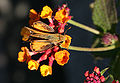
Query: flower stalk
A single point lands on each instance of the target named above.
(84, 27)
(92, 49)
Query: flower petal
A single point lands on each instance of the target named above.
(46, 12)
(67, 41)
(45, 70)
(62, 57)
(33, 65)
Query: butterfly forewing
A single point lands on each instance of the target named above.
(30, 30)
(42, 26)
(48, 36)
(42, 35)
(41, 45)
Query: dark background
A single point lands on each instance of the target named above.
(14, 15)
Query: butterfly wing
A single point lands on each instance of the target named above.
(55, 38)
(25, 33)
(42, 26)
(29, 30)
(40, 45)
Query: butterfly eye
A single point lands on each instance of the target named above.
(35, 23)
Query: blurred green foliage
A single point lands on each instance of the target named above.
(104, 14)
(105, 17)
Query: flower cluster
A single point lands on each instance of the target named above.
(94, 77)
(115, 81)
(109, 39)
(58, 21)
(55, 52)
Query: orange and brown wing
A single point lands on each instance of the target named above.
(42, 26)
(25, 33)
(40, 45)
(30, 30)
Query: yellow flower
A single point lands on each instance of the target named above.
(24, 55)
(67, 41)
(46, 12)
(62, 16)
(45, 70)
(33, 65)
(62, 57)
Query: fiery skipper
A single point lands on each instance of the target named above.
(45, 37)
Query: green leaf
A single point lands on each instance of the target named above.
(109, 78)
(104, 14)
(115, 68)
(104, 70)
(106, 78)
(96, 42)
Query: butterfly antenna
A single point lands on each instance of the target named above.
(67, 30)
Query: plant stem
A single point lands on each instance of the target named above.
(84, 27)
(92, 49)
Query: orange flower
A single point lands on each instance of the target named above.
(62, 57)
(46, 12)
(33, 65)
(45, 70)
(24, 55)
(34, 16)
(21, 56)
(62, 16)
(67, 41)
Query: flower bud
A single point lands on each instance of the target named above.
(109, 39)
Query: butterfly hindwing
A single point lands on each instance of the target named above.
(41, 45)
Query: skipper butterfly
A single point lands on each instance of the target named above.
(44, 34)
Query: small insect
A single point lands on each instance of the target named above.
(44, 34)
